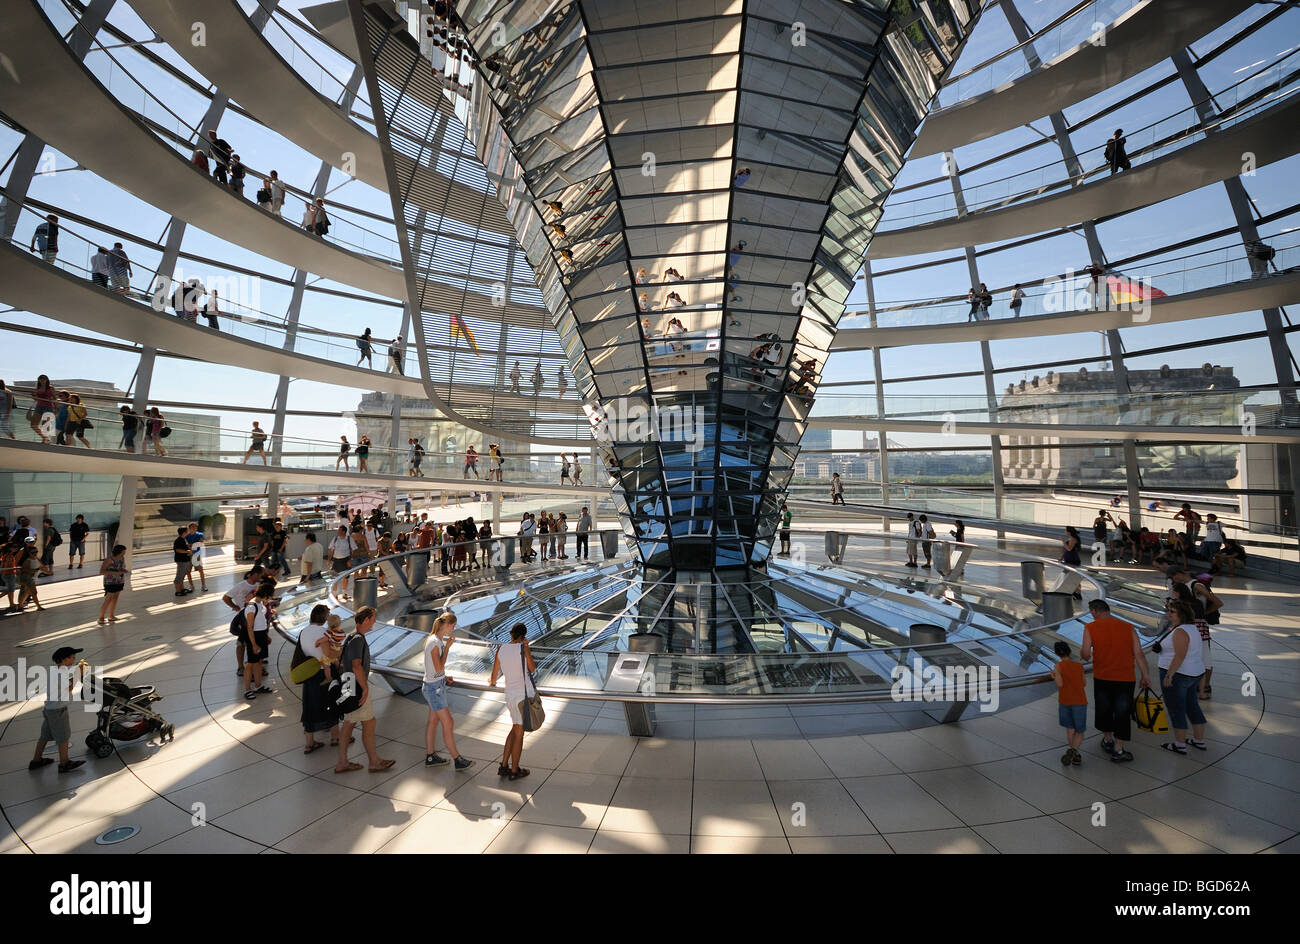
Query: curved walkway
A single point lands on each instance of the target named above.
(1269, 135)
(28, 283)
(1135, 42)
(35, 457)
(717, 780)
(261, 81)
(1099, 431)
(1244, 295)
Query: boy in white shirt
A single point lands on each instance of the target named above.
(313, 560)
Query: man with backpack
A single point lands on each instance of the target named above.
(77, 536)
(237, 599)
(221, 150)
(50, 540)
(1116, 156)
(354, 678)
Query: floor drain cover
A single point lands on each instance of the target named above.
(116, 834)
(151, 638)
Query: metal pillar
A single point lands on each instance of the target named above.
(395, 449)
(882, 441)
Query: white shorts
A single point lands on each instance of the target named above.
(512, 702)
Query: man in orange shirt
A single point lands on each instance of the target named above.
(1113, 647)
(426, 536)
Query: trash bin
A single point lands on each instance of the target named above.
(942, 552)
(628, 675)
(836, 543)
(365, 591)
(923, 634)
(421, 620)
(609, 544)
(417, 569)
(1057, 607)
(503, 552)
(1031, 579)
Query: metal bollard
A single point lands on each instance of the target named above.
(365, 592)
(1031, 579)
(417, 569)
(421, 620)
(942, 552)
(1057, 607)
(923, 634)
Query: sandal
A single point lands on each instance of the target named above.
(348, 769)
(519, 774)
(1199, 745)
(1173, 748)
(334, 742)
(315, 746)
(383, 765)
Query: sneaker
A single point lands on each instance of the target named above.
(463, 764)
(1067, 756)
(1120, 757)
(434, 760)
(503, 770)
(1108, 746)
(262, 689)
(70, 765)
(38, 764)
(1077, 759)
(250, 694)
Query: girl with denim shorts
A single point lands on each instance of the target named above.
(435, 693)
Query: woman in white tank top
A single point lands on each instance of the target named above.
(1181, 667)
(514, 661)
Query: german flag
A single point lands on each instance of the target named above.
(1125, 291)
(458, 327)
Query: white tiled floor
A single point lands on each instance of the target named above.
(714, 780)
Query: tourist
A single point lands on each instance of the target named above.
(237, 174)
(78, 421)
(308, 215)
(417, 456)
(341, 550)
(119, 269)
(363, 345)
(276, 186)
(50, 541)
(77, 541)
(1017, 299)
(577, 471)
(515, 377)
(496, 459)
(29, 568)
(45, 240)
(279, 545)
(1115, 154)
(538, 380)
(237, 599)
(913, 535)
(1174, 550)
(220, 150)
(564, 468)
(1213, 538)
(154, 425)
(113, 570)
(44, 398)
(543, 534)
(1181, 668)
(786, 518)
(561, 381)
(514, 661)
(129, 424)
(397, 357)
(435, 685)
(61, 402)
(485, 544)
(837, 489)
(527, 528)
(345, 450)
(56, 726)
(99, 267)
(200, 160)
(1113, 648)
(1072, 702)
(471, 462)
(1231, 555)
(1070, 547)
(194, 538)
(315, 641)
(1099, 529)
(320, 220)
(560, 532)
(927, 540)
(363, 454)
(1123, 546)
(361, 547)
(313, 560)
(445, 550)
(257, 443)
(181, 556)
(257, 639)
(356, 659)
(742, 177)
(1148, 542)
(1193, 520)
(959, 531)
(264, 195)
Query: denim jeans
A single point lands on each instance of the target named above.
(1181, 700)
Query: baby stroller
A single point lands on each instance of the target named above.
(125, 716)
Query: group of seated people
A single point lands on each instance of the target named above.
(645, 278)
(1172, 549)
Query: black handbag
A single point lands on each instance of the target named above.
(87, 424)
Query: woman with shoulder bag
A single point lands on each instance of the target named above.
(1181, 669)
(315, 645)
(514, 661)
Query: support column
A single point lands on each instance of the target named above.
(395, 430)
(882, 434)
